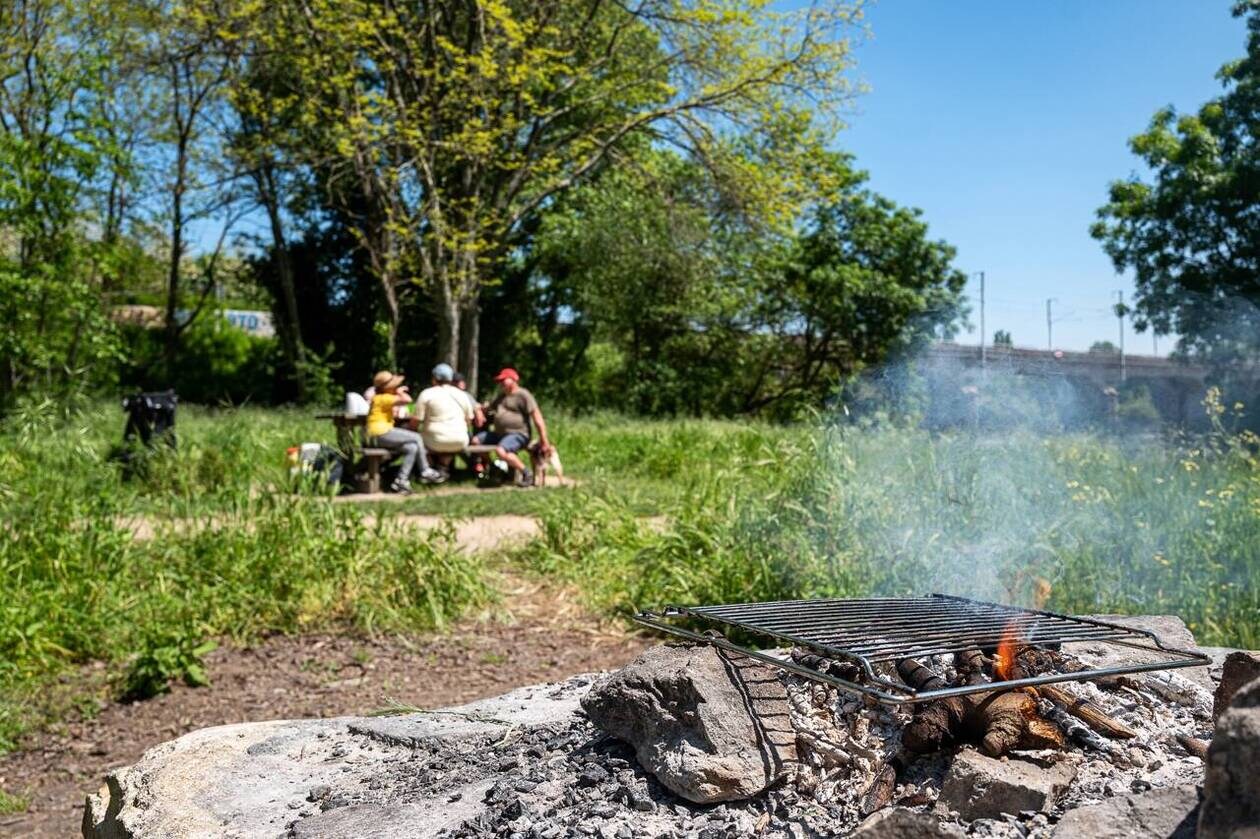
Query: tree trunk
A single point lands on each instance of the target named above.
(291, 329)
(183, 126)
(449, 323)
(171, 346)
(392, 308)
(470, 334)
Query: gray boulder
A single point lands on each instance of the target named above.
(339, 777)
(710, 725)
(1170, 629)
(1168, 813)
(980, 787)
(1231, 787)
(1239, 668)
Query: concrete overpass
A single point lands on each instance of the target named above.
(1089, 379)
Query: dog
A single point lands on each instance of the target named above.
(543, 465)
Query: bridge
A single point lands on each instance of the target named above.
(1091, 380)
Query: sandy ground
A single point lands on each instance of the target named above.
(474, 534)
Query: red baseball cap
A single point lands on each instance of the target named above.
(507, 373)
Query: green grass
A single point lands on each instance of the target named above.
(738, 511)
(233, 554)
(10, 803)
(1082, 523)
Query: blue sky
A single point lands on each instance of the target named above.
(1004, 122)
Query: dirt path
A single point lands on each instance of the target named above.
(484, 533)
(537, 634)
(474, 534)
(449, 489)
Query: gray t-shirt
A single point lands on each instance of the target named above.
(512, 412)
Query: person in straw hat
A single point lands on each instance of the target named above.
(389, 393)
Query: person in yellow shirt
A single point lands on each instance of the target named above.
(381, 432)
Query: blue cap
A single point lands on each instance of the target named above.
(443, 372)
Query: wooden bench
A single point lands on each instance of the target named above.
(368, 479)
(534, 450)
(366, 462)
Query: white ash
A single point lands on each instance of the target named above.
(1153, 759)
(576, 783)
(844, 740)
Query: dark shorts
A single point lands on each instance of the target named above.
(513, 442)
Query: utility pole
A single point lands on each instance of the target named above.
(983, 335)
(1154, 341)
(1049, 324)
(1120, 310)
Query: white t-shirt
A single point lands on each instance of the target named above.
(444, 416)
(470, 399)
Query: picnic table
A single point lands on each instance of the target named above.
(366, 461)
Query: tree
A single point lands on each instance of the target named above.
(188, 133)
(652, 262)
(55, 149)
(1104, 347)
(1191, 235)
(258, 89)
(864, 283)
(443, 127)
(1002, 338)
(709, 310)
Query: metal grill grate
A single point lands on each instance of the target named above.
(879, 631)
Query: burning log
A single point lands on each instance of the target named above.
(1020, 663)
(1087, 712)
(1076, 731)
(999, 720)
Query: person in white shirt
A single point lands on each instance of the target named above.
(479, 417)
(442, 414)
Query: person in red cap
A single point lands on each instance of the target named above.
(515, 415)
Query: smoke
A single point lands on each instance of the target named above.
(1024, 483)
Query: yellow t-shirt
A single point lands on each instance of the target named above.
(380, 419)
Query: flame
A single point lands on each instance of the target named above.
(1008, 647)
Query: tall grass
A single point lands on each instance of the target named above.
(665, 511)
(1083, 523)
(207, 542)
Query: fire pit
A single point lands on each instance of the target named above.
(885, 694)
(873, 645)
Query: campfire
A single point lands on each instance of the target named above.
(884, 690)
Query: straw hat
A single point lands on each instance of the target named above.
(385, 380)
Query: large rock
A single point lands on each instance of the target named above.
(1168, 813)
(980, 787)
(341, 777)
(1170, 629)
(902, 823)
(710, 725)
(1231, 788)
(1239, 668)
